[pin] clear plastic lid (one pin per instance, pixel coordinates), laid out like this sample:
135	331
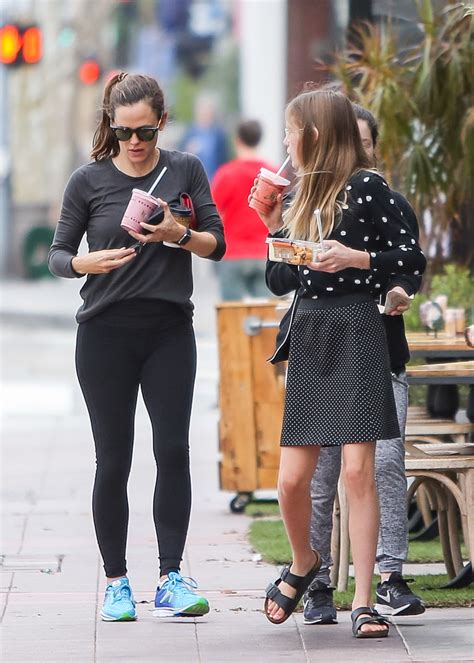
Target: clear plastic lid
273	177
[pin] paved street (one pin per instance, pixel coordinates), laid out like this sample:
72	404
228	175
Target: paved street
52	583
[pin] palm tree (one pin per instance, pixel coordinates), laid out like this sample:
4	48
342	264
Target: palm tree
423	99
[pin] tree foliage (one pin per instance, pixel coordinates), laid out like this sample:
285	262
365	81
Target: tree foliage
423	99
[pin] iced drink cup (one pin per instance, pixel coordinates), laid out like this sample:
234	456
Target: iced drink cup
269	185
182	215
139	209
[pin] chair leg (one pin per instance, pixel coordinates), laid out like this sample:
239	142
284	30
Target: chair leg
344	545
424	505
469	496
336	542
453	527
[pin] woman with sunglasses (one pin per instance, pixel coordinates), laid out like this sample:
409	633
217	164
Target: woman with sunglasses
339	388
135	328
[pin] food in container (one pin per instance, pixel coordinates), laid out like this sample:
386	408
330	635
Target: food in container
294	252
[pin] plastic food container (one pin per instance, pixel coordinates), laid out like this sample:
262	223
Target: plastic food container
294	252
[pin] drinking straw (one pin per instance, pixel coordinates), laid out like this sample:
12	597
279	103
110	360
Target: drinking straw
320	227
283	165
163	171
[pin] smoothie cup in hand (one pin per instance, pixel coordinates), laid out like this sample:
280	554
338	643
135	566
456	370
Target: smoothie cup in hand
268	186
139	209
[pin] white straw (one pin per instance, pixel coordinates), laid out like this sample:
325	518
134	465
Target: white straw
283	165
320	227
155	183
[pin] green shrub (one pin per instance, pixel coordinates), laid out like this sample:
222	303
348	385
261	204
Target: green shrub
457	283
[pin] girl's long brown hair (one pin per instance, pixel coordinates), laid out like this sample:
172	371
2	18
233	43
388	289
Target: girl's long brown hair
326	164
123	90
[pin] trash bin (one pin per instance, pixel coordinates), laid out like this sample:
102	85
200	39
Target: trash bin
35	251
251	397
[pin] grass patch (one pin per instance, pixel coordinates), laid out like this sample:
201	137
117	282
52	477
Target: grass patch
429	551
268	537
262	509
428	587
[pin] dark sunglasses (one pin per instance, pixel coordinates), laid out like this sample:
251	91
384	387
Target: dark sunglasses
143	133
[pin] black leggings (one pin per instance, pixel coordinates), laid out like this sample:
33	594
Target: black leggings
151	345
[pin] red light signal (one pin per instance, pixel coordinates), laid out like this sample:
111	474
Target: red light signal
89	72
32	45
10	44
19	44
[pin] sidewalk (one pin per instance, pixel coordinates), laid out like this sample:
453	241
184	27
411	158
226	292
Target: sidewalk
52	584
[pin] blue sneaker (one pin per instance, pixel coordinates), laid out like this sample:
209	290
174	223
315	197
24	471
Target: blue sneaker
176	598
119	604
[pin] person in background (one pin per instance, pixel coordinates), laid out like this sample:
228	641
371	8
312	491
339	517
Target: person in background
205	137
242	272
339	391
393	595
135	329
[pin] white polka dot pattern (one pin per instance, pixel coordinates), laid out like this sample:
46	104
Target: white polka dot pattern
372	223
339	388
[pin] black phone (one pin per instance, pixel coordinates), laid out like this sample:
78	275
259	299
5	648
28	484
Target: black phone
156	218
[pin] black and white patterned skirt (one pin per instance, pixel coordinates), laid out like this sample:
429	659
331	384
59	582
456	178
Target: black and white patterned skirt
339	387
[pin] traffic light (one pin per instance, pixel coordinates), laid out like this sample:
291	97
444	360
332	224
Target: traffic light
32	50
20	44
89	72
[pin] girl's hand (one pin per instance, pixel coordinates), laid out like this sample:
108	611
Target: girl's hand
102	262
337	257
403	303
273	220
169	230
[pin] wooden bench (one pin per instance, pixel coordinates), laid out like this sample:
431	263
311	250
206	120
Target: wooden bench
422	426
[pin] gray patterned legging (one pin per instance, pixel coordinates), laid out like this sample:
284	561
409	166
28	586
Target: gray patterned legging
392	545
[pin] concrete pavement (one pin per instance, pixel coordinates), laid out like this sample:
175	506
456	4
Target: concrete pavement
52	584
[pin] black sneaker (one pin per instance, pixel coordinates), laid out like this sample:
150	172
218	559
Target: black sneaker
394	597
318	604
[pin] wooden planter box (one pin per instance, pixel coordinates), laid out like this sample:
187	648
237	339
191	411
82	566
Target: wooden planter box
251	396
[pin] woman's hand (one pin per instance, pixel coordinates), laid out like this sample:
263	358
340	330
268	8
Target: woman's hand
169	230
337	257
273	220
102	262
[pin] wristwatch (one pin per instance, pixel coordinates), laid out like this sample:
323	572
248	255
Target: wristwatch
185	238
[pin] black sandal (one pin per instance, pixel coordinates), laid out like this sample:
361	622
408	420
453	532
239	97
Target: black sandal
365	615
300	583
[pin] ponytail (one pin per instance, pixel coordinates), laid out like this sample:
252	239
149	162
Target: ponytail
123	90
104	143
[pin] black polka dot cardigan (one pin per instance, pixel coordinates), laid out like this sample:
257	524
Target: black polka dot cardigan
371	221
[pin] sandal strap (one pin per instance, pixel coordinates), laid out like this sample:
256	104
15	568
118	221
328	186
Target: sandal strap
285	602
364	610
292	579
298	582
362	616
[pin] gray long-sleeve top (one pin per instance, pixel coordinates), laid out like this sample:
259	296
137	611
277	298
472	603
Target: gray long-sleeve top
95	199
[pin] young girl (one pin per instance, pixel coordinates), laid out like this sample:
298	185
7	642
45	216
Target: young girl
338	385
135	328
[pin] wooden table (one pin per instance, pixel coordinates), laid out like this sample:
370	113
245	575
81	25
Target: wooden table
456	372
442	346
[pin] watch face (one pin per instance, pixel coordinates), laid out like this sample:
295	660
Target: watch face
185	238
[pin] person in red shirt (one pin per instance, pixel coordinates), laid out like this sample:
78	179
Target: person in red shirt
242	272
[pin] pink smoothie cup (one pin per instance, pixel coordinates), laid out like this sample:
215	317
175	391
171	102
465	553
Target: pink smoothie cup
140	207
268	187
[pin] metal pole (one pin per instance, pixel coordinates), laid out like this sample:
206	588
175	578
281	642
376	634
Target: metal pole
5	173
